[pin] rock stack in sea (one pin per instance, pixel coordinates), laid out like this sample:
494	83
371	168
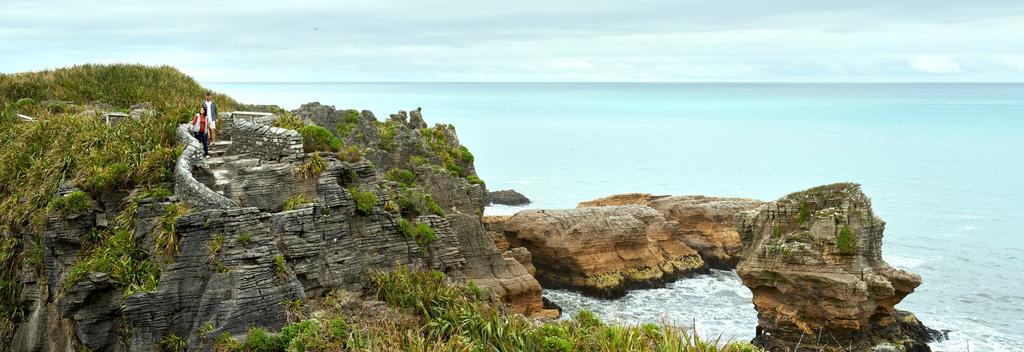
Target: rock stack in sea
507	197
813	261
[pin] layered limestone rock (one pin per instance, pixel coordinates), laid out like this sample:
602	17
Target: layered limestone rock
495	226
504	275
707	224
435	154
602	251
813	261
241	261
704	223
620	199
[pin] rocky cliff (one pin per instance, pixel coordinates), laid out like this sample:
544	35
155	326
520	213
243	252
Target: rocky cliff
265	232
813	261
703	223
602	251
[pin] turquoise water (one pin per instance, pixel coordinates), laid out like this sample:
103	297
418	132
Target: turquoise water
943	164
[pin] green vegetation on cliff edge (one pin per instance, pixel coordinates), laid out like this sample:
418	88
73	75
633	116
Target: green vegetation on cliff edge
430	313
65	144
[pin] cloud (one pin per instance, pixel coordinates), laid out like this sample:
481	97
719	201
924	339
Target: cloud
935	64
529	40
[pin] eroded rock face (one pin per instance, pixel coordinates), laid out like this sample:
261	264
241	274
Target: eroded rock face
495	226
707	224
505	276
325	116
238	259
621	199
602	251
704	223
813	261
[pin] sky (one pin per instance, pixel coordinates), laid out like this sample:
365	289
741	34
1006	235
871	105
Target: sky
527	40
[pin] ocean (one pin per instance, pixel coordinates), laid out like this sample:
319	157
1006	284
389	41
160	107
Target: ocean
942	163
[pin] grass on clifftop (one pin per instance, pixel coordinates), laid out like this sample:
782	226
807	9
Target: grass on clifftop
437	315
66	145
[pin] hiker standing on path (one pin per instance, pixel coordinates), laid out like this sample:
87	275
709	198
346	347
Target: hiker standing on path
201	127
211	110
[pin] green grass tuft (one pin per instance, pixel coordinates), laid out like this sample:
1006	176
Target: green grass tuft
280	267
313	167
417	160
245	239
388	131
289	121
158	193
71	203
172	343
258	340
365	200
414	202
422	233
226	343
846	242
350	154
294	202
166	242
474	179
467	157
404	177
803	214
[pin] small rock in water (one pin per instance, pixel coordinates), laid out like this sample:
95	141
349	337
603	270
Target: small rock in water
507	197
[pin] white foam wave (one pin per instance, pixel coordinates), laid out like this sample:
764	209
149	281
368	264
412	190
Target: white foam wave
903	262
715	304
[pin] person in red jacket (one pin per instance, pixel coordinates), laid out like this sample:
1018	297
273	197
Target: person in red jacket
201	129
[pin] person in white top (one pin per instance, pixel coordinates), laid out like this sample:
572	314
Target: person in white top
211	113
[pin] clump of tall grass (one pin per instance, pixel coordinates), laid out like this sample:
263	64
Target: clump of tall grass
289	121
71	203
413	202
846	242
365	200
172	343
422	233
165	243
312	167
405	178
296	201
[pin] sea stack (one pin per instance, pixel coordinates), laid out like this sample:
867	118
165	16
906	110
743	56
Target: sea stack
813	261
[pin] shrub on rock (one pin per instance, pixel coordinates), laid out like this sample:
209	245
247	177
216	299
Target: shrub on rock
316	138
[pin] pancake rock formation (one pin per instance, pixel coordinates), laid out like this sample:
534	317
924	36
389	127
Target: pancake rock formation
704	223
602	251
258	224
813	261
